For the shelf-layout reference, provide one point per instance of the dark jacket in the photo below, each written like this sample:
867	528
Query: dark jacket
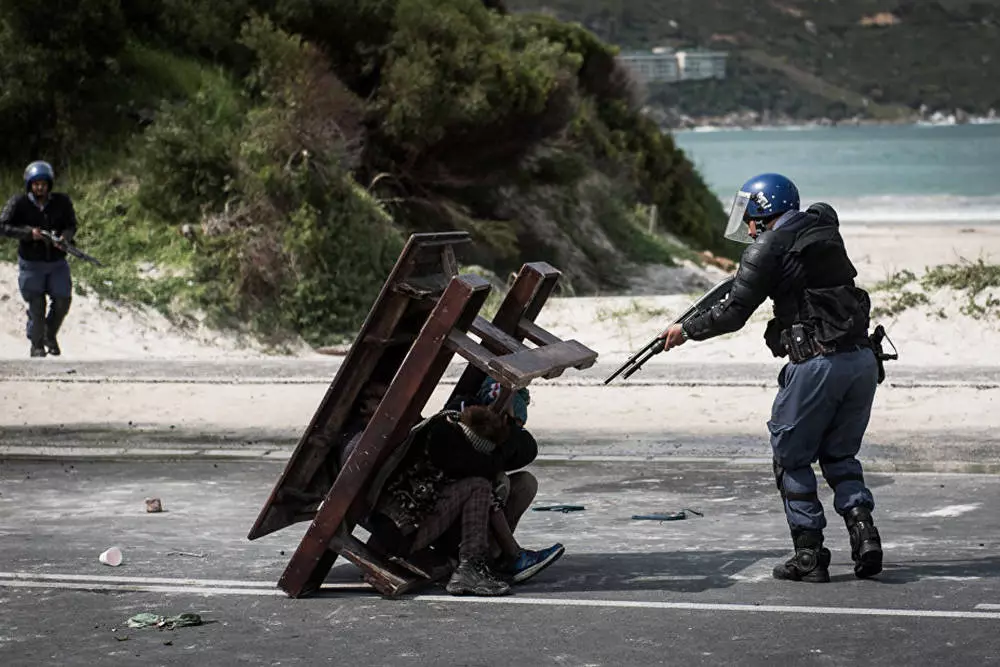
20	215
451	452
435	454
520	448
802	265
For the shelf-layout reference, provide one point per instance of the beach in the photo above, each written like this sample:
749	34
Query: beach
128	375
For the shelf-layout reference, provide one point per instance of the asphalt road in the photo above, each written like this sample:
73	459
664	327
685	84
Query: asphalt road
627	592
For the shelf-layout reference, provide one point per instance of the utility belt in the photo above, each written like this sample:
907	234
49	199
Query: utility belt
801	345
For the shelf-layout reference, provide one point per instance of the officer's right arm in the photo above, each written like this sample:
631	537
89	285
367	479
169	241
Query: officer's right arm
753	283
8	221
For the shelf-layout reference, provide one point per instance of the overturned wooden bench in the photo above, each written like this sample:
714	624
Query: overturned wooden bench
425	314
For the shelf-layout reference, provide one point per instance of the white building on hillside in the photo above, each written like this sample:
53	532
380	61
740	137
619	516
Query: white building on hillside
701	64
664	65
656	66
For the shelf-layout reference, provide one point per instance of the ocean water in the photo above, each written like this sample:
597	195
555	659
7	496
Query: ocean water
898	174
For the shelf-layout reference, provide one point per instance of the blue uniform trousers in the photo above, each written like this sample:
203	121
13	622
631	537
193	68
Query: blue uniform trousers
36	280
820	414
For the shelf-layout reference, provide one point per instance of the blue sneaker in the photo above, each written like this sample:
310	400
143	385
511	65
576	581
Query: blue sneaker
529	563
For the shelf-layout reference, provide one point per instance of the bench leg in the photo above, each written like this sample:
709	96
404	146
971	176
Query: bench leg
387	579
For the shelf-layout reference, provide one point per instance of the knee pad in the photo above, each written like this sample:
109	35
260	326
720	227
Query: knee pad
779	474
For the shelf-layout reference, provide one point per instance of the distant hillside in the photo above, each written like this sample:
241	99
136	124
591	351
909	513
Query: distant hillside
261	162
872	58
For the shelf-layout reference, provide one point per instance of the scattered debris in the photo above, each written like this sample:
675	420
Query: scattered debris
185	553
675	516
154	505
559	508
148	620
111	556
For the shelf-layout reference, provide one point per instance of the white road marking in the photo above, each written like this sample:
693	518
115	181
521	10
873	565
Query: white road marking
667	577
154	584
235	587
139	588
709	606
90	578
759	570
953	510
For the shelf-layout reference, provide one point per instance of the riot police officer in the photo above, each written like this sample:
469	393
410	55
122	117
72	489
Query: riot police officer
42	266
824	400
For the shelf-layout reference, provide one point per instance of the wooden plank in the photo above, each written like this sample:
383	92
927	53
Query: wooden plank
520	368
480	288
470	350
406	396
449	261
536	334
512	309
320	435
364	358
388	579
494	339
549	278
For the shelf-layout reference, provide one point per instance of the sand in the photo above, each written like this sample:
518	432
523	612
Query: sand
644	420
617	325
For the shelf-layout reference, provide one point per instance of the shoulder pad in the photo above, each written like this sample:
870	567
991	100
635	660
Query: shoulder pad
769	245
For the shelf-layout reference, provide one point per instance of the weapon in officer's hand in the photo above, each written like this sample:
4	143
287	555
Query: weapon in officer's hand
713	296
63	244
876	338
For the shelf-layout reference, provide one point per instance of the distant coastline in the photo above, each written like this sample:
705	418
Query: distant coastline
751	120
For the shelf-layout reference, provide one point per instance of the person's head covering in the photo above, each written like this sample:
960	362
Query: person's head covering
489	391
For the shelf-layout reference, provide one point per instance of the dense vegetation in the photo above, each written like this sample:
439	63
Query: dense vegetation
262	161
873	58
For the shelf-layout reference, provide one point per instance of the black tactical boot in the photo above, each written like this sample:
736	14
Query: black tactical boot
474	577
866	545
38	351
52	345
811	561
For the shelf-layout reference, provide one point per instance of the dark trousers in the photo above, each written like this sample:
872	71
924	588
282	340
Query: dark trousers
820	414
523	488
36	280
471	499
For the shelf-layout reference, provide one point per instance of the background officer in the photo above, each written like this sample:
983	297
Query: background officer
42	266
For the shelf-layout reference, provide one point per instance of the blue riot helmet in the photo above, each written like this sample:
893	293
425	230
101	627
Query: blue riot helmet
760	198
39	171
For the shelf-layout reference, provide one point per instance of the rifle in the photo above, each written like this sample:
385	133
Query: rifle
718	293
58	242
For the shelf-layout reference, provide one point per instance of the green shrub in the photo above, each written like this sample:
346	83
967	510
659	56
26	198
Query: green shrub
187	158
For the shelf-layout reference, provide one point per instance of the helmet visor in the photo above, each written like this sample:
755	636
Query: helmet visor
736	229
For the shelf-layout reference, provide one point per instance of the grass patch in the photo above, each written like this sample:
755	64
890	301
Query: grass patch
969	279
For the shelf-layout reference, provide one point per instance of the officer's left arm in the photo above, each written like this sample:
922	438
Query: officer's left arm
753	283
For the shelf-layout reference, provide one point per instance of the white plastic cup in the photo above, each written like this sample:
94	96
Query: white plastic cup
112	557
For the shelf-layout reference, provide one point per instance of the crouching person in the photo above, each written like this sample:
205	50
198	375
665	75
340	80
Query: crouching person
517	488
446	480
